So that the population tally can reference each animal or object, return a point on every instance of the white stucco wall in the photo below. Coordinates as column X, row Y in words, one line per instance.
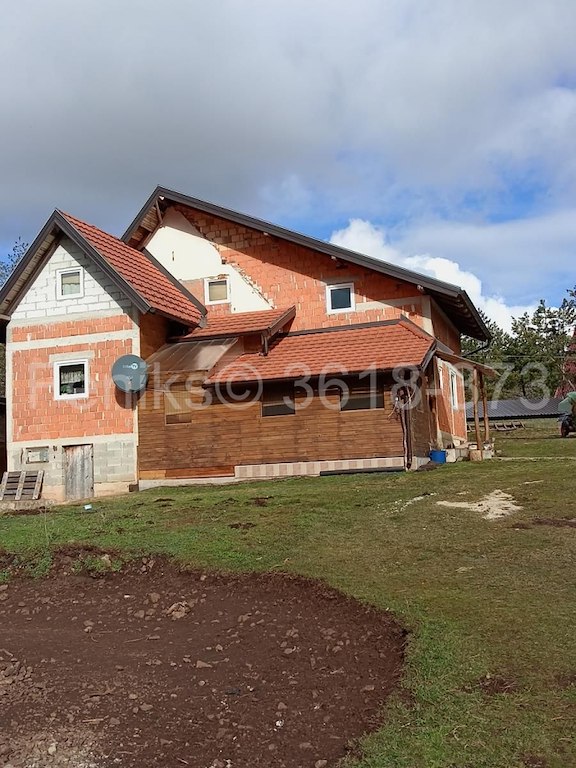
column 184, row 252
column 100, row 294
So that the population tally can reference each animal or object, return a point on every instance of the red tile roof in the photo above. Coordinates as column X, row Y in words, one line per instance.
column 384, row 346
column 147, row 279
column 242, row 324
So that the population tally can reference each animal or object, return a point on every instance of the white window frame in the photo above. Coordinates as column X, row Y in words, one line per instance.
column 454, row 389
column 207, row 281
column 79, row 396
column 330, row 288
column 59, row 274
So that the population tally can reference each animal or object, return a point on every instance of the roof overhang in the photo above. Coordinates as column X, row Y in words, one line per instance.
column 453, row 300
column 467, row 364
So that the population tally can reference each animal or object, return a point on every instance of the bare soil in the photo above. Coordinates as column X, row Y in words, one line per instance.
column 153, row 666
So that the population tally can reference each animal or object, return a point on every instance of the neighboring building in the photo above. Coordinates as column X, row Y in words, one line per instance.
column 270, row 353
column 514, row 409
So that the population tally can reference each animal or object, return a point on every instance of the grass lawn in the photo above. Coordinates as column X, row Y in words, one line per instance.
column 492, row 608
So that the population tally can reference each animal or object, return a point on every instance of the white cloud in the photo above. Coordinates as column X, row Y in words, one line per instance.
column 370, row 239
column 443, row 115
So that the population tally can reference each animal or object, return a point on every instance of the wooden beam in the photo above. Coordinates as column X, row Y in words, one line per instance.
column 475, row 402
column 484, row 407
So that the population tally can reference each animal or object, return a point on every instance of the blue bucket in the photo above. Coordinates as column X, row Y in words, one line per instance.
column 438, row 456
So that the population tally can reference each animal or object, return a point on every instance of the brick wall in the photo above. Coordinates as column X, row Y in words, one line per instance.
column 286, row 274
column 37, row 415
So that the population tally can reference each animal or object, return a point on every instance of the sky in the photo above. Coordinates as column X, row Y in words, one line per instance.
column 437, row 134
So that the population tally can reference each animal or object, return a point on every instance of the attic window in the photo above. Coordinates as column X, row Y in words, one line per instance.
column 70, row 282
column 216, row 291
column 340, row 297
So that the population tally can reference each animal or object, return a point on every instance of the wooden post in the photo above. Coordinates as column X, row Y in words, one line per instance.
column 484, row 407
column 437, row 433
column 475, row 401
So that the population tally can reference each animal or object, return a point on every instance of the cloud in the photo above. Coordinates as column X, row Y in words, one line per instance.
column 370, row 239
column 408, row 112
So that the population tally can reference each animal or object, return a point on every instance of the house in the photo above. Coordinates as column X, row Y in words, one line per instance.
column 267, row 352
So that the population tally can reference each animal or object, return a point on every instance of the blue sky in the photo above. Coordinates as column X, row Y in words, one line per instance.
column 439, row 134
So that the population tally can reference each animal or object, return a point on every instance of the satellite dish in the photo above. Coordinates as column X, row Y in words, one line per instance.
column 130, row 373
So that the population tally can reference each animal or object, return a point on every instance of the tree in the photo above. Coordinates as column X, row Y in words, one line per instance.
column 540, row 346
column 538, row 358
column 7, row 266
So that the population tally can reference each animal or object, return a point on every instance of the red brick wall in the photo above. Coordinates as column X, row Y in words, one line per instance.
column 96, row 324
column 288, row 274
column 37, row 415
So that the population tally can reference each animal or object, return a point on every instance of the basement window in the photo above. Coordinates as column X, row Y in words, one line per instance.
column 340, row 298
column 37, row 455
column 71, row 380
column 70, row 283
column 216, row 291
column 278, row 400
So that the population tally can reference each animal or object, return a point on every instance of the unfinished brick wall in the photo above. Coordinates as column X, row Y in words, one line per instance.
column 286, row 273
column 37, row 415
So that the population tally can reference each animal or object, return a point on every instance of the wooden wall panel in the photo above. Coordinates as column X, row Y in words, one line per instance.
column 223, row 435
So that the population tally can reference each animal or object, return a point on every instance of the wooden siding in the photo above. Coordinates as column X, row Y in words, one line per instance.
column 223, row 435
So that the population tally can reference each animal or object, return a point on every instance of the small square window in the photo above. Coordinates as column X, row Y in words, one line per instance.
column 217, row 291
column 71, row 380
column 340, row 298
column 70, row 283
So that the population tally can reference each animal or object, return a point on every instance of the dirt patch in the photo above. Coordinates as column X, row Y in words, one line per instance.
column 558, row 522
column 153, row 666
column 534, row 761
column 493, row 685
column 24, row 511
column 566, row 680
column 493, row 506
column 261, row 501
column 242, row 526
column 554, row 522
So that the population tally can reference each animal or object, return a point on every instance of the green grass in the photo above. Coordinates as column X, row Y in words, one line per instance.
column 480, row 598
column 540, row 438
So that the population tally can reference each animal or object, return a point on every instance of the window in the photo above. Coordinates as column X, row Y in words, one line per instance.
column 37, row 455
column 71, row 380
column 216, row 291
column 454, row 389
column 70, row 283
column 361, row 399
column 340, row 298
column 278, row 400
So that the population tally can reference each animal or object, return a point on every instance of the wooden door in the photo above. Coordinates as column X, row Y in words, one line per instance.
column 79, row 471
